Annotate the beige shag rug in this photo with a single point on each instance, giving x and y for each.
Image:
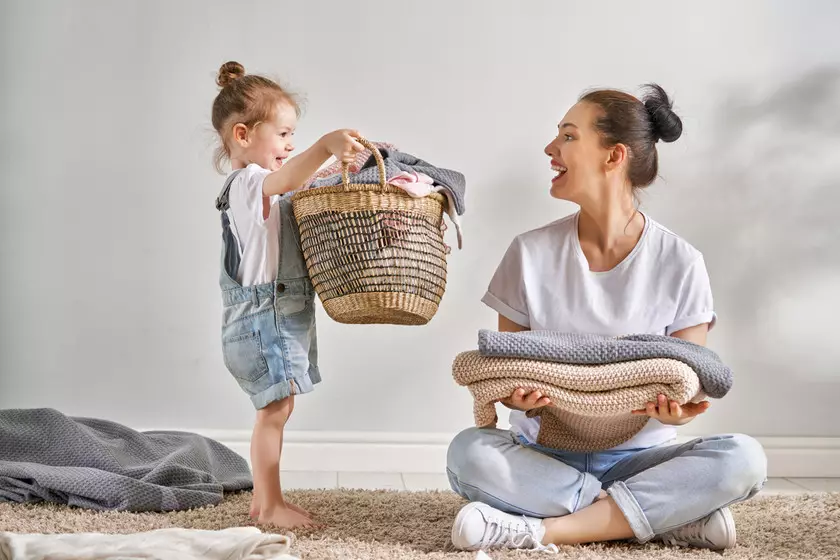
(390, 525)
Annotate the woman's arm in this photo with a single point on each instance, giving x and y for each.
(506, 325)
(696, 334)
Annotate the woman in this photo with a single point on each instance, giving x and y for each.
(610, 270)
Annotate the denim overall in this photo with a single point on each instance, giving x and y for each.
(269, 342)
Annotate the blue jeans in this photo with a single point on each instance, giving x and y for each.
(657, 489)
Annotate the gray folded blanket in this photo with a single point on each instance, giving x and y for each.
(397, 162)
(102, 465)
(550, 346)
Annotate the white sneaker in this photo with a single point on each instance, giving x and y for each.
(482, 527)
(716, 531)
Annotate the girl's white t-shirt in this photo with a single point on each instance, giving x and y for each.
(544, 283)
(258, 238)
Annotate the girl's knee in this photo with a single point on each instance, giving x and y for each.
(276, 413)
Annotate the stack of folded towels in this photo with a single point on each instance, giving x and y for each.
(593, 382)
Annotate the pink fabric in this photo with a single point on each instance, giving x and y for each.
(415, 184)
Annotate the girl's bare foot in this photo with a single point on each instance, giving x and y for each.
(255, 509)
(285, 518)
(299, 509)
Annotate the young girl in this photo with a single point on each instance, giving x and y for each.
(268, 330)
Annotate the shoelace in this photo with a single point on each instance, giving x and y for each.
(684, 535)
(502, 533)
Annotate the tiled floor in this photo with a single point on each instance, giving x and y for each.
(426, 481)
(818, 484)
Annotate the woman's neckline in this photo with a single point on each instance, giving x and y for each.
(624, 262)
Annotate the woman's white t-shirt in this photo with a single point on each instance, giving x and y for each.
(258, 238)
(544, 283)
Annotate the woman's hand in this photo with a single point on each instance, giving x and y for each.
(672, 413)
(525, 400)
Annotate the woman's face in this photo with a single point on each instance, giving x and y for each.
(577, 156)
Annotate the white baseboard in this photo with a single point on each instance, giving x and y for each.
(412, 452)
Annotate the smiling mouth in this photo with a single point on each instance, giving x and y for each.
(559, 169)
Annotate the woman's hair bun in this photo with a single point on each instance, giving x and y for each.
(229, 72)
(667, 126)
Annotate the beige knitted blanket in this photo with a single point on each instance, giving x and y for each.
(590, 404)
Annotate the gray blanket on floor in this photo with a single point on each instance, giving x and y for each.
(397, 162)
(549, 346)
(97, 464)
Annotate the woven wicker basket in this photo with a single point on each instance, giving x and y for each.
(375, 255)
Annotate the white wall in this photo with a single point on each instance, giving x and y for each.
(110, 241)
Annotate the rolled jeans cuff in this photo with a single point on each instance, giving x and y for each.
(632, 511)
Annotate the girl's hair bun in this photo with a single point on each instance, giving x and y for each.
(229, 72)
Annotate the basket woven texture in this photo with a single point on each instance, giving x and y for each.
(375, 254)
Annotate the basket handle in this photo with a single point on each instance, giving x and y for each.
(380, 164)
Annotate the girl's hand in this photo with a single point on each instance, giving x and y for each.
(672, 413)
(343, 145)
(525, 401)
(295, 172)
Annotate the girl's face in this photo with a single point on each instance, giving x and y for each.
(577, 155)
(269, 144)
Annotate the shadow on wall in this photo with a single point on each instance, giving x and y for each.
(765, 202)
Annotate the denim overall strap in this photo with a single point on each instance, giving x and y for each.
(230, 248)
(223, 200)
